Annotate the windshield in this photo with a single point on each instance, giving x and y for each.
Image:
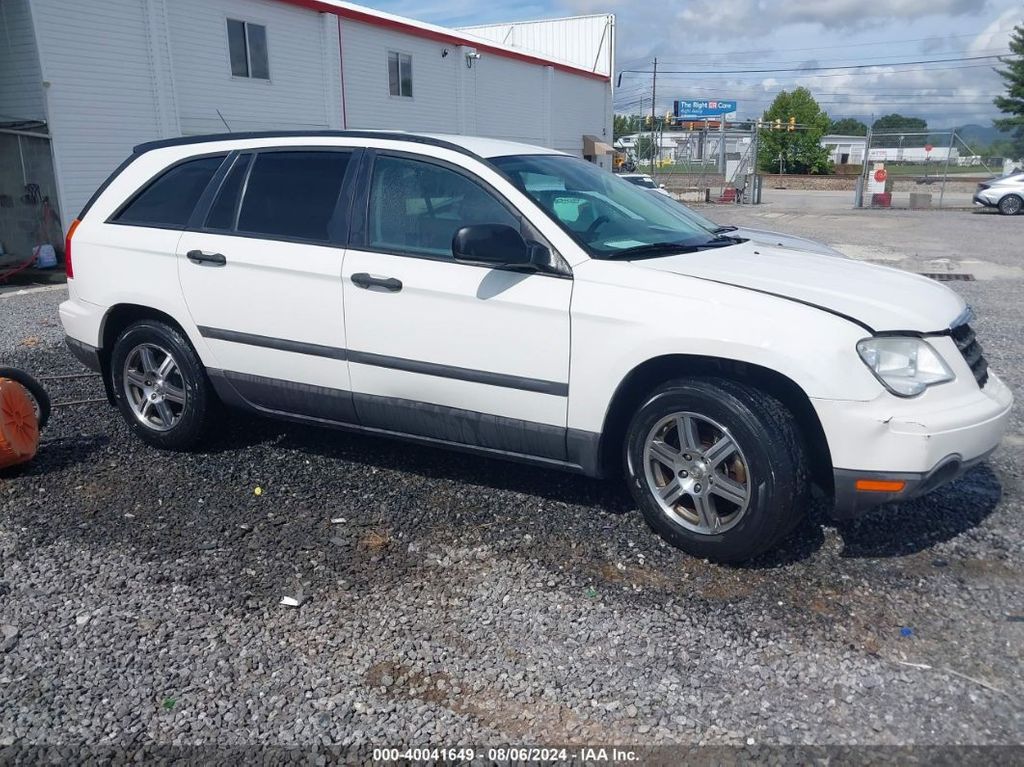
(607, 216)
(691, 214)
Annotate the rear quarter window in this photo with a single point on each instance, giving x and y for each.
(168, 200)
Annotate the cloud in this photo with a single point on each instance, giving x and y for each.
(795, 34)
(996, 34)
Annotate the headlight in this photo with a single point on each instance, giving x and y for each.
(906, 366)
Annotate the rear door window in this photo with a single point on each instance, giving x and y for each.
(294, 195)
(168, 200)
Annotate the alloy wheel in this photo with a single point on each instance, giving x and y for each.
(154, 387)
(697, 473)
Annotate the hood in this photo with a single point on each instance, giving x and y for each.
(778, 239)
(880, 298)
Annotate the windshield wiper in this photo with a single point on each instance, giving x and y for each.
(724, 229)
(664, 248)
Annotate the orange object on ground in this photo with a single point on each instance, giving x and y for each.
(19, 425)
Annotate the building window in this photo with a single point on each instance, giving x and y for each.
(247, 44)
(400, 74)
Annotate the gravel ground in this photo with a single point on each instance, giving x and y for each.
(456, 600)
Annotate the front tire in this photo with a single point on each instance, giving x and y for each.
(1011, 205)
(160, 386)
(718, 468)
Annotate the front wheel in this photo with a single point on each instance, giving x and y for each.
(1011, 205)
(160, 386)
(718, 468)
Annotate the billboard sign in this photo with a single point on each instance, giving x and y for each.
(695, 110)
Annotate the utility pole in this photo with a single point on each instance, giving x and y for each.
(654, 103)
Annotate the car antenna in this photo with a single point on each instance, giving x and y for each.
(224, 121)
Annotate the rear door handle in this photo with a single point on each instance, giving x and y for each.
(364, 280)
(199, 257)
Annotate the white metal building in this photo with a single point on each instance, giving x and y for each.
(845, 150)
(96, 78)
(667, 145)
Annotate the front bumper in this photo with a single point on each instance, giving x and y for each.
(852, 501)
(988, 197)
(922, 443)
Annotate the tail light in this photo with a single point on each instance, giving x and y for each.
(67, 249)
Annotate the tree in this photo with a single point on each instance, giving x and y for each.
(801, 148)
(624, 125)
(1012, 103)
(645, 146)
(848, 126)
(891, 127)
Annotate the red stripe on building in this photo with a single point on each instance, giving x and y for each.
(441, 37)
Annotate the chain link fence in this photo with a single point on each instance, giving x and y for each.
(701, 165)
(709, 164)
(928, 169)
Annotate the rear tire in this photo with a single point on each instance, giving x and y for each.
(717, 467)
(1011, 205)
(160, 386)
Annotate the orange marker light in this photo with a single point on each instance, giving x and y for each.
(880, 485)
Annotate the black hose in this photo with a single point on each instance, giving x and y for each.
(34, 388)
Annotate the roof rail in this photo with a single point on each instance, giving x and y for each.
(211, 137)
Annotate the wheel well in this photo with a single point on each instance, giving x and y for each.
(644, 378)
(118, 318)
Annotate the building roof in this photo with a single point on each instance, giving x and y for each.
(444, 35)
(586, 41)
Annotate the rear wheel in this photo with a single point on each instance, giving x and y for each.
(718, 468)
(160, 385)
(1011, 205)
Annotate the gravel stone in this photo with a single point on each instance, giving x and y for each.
(466, 600)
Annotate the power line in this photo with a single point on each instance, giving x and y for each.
(1000, 51)
(877, 74)
(808, 69)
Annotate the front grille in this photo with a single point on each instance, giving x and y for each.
(968, 345)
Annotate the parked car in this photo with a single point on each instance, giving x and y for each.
(644, 181)
(517, 302)
(1006, 194)
(759, 236)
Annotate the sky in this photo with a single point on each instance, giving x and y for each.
(716, 35)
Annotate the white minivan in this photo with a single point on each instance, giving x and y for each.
(518, 302)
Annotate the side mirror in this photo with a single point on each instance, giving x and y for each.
(497, 245)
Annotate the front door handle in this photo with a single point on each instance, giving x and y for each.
(198, 257)
(364, 280)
